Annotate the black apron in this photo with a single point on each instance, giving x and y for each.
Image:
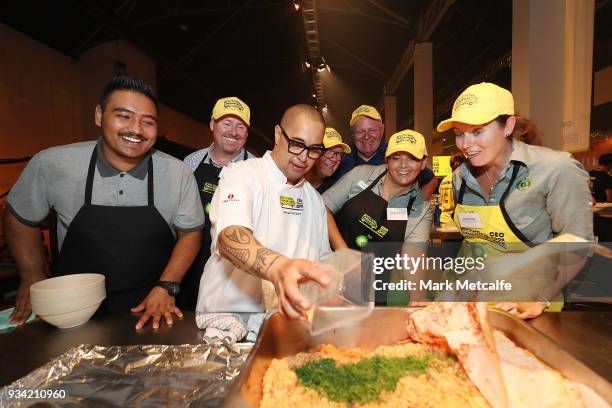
(207, 179)
(130, 246)
(363, 219)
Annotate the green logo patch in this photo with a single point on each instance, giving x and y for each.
(207, 208)
(361, 241)
(524, 184)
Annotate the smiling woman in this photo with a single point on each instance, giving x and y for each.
(519, 194)
(382, 203)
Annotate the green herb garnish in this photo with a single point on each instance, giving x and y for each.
(360, 382)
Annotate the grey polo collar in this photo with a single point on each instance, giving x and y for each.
(108, 170)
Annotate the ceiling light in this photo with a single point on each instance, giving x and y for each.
(296, 6)
(321, 64)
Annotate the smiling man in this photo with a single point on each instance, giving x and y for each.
(229, 124)
(269, 224)
(124, 210)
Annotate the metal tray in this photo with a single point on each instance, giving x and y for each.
(385, 326)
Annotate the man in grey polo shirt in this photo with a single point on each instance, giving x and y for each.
(124, 210)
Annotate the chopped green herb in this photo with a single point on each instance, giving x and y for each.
(360, 382)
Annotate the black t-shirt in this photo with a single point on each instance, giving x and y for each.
(601, 181)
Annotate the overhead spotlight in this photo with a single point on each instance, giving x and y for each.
(322, 106)
(306, 64)
(321, 64)
(296, 5)
(314, 95)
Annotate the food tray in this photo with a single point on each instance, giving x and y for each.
(386, 326)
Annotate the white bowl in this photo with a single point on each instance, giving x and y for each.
(68, 301)
(71, 319)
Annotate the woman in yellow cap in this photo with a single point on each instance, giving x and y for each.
(510, 193)
(382, 203)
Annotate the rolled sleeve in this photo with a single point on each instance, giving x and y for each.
(232, 202)
(28, 199)
(189, 215)
(569, 200)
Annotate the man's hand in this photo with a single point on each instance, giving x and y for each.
(158, 303)
(288, 274)
(23, 306)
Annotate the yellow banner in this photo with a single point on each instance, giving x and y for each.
(441, 165)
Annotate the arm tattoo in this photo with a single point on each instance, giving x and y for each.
(264, 260)
(237, 235)
(236, 256)
(238, 246)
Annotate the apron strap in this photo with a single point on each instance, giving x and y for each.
(92, 170)
(376, 180)
(461, 192)
(515, 169)
(502, 207)
(150, 195)
(245, 155)
(410, 204)
(90, 175)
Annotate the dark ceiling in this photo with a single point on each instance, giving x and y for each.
(254, 49)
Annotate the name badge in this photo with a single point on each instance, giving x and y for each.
(362, 185)
(469, 220)
(397, 214)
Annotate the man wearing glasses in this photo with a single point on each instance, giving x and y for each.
(268, 223)
(369, 147)
(320, 176)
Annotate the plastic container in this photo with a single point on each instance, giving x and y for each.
(346, 291)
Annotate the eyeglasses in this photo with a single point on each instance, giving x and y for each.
(296, 147)
(330, 154)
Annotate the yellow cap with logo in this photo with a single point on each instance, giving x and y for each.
(365, 110)
(232, 106)
(332, 138)
(479, 104)
(407, 141)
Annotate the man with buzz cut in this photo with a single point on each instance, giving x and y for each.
(229, 124)
(369, 147)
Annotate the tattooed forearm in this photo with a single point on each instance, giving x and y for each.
(237, 235)
(235, 255)
(264, 260)
(239, 246)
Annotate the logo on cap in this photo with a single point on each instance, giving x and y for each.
(405, 138)
(233, 105)
(468, 99)
(361, 109)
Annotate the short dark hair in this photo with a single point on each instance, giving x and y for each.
(127, 83)
(605, 159)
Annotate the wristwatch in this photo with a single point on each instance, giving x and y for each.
(173, 288)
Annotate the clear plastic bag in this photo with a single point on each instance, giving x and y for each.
(347, 300)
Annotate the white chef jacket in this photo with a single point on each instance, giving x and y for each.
(289, 219)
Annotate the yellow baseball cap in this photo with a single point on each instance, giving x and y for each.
(232, 106)
(332, 138)
(407, 141)
(365, 110)
(478, 104)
